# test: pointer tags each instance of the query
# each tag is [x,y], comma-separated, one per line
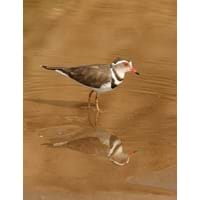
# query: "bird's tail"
[50,67]
[60,70]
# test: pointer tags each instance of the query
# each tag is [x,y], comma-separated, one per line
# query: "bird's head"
[124,66]
[122,158]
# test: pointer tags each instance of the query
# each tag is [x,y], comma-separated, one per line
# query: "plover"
[99,77]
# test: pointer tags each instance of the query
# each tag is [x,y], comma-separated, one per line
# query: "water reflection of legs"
[93,119]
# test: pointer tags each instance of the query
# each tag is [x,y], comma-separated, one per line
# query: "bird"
[98,77]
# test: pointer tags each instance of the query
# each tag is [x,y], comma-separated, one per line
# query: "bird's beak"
[134,71]
[133,152]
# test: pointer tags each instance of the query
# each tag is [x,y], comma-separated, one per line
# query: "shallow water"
[141,112]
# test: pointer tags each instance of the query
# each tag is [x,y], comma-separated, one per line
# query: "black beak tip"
[137,73]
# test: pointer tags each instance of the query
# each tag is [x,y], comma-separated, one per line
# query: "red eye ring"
[125,63]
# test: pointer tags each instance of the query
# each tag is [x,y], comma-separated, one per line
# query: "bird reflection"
[98,143]
[95,141]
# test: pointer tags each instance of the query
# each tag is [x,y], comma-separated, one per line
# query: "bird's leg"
[96,118]
[97,102]
[89,97]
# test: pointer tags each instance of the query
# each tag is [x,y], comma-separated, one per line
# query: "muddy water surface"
[141,112]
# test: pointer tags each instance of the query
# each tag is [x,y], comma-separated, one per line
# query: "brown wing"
[91,75]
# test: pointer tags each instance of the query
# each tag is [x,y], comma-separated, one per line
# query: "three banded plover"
[99,77]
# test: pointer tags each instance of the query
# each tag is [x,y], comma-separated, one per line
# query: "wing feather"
[91,75]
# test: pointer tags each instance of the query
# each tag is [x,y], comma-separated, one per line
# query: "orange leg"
[89,98]
[97,102]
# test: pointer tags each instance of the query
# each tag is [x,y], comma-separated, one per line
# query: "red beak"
[134,71]
[133,152]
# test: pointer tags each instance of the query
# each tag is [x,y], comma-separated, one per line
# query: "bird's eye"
[125,63]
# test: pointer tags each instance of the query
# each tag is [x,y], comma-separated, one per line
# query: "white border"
[188,99]
[11,100]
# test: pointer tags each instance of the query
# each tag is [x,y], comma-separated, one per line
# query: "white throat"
[117,76]
[120,72]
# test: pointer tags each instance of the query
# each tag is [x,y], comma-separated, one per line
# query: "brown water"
[141,112]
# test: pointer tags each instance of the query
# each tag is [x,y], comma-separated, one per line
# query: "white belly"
[104,88]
